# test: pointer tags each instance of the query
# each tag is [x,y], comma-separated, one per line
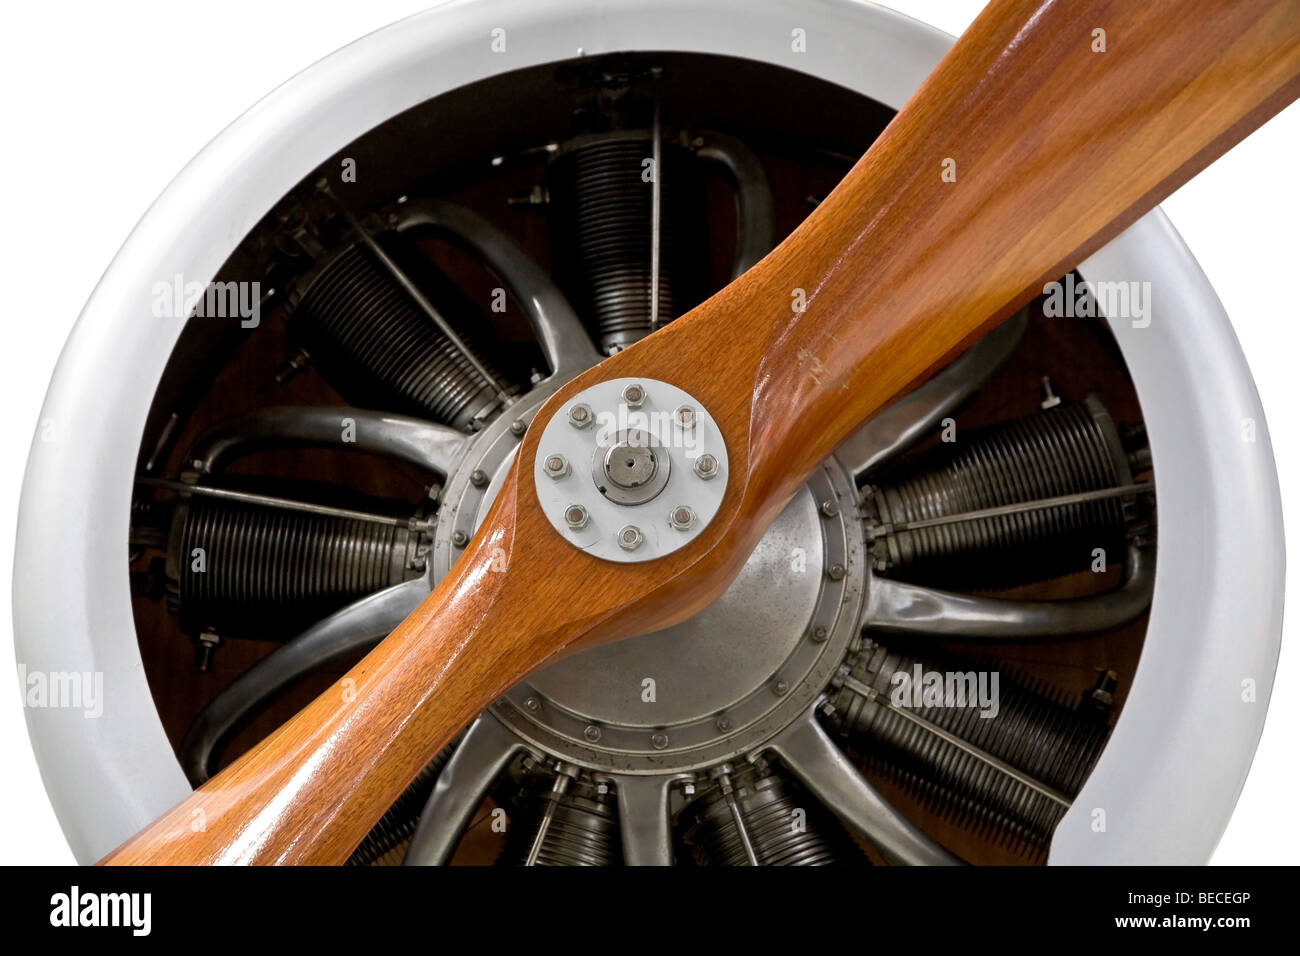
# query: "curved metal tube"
[483,753]
[423,443]
[755,211]
[643,819]
[899,608]
[821,766]
[912,417]
[564,341]
[356,627]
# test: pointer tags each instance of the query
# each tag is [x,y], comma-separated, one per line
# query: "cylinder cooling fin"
[754,733]
[971,738]
[1068,450]
[627,269]
[372,340]
[759,818]
[250,570]
[562,819]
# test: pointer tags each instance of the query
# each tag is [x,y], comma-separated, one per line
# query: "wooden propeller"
[1031,144]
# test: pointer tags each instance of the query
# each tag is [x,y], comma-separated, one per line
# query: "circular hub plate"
[614,467]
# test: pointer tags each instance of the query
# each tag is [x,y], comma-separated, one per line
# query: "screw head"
[533,704]
[659,741]
[723,723]
[706,466]
[820,634]
[830,509]
[780,687]
[634,395]
[592,733]
[581,415]
[459,539]
[576,517]
[478,478]
[630,537]
[682,518]
[836,572]
[518,427]
[684,417]
[555,466]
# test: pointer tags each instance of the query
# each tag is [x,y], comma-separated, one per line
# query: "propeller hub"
[656,454]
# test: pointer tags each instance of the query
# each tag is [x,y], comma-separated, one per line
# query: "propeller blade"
[1023,152]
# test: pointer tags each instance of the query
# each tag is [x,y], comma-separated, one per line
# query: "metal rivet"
[836,571]
[634,395]
[555,466]
[659,741]
[684,416]
[830,509]
[478,478]
[682,518]
[780,687]
[724,723]
[592,733]
[706,466]
[533,704]
[581,415]
[460,539]
[518,427]
[630,537]
[820,634]
[576,517]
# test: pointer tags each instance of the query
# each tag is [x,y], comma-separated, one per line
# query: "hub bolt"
[684,416]
[682,518]
[555,466]
[581,415]
[659,741]
[592,733]
[518,427]
[634,395]
[630,537]
[706,466]
[478,478]
[576,517]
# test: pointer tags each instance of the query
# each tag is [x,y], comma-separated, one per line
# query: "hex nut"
[630,537]
[581,415]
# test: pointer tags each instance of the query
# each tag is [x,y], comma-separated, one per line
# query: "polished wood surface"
[1023,152]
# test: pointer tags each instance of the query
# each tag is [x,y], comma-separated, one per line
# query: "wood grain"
[1056,148]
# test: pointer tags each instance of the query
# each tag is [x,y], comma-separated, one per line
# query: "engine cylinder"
[573,824]
[782,823]
[1034,731]
[601,208]
[1062,451]
[247,570]
[377,347]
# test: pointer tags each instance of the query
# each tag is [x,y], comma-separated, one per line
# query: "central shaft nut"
[632,469]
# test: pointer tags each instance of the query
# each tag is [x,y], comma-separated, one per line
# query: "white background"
[104,103]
